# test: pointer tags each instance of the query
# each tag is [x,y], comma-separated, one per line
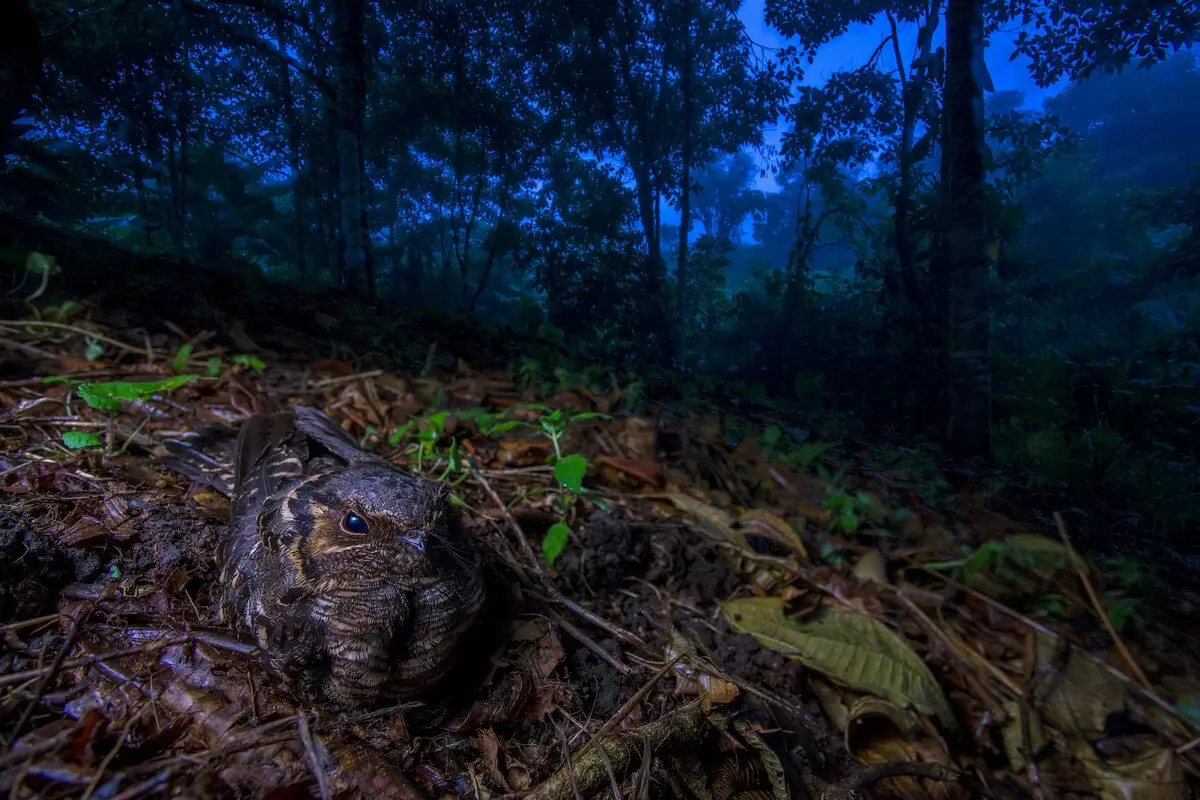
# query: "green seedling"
[79,440]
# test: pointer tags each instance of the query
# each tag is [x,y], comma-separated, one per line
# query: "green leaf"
[108,396]
[555,542]
[212,368]
[77,440]
[852,648]
[590,415]
[180,360]
[569,471]
[397,435]
[94,350]
[250,362]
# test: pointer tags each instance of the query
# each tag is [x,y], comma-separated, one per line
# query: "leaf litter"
[670,616]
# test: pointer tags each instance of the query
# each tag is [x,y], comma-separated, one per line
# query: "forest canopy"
[934,258]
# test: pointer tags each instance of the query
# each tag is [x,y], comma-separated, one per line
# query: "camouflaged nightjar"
[352,576]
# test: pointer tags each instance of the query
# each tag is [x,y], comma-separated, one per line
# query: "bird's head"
[366,526]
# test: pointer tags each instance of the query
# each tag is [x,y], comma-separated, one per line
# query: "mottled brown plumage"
[352,576]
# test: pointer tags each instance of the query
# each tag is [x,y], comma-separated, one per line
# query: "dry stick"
[587,642]
[1081,568]
[589,773]
[327,382]
[512,523]
[28,623]
[87,661]
[599,621]
[29,349]
[52,671]
[626,709]
[964,653]
[75,329]
[1153,697]
[116,748]
[566,749]
[867,777]
[314,758]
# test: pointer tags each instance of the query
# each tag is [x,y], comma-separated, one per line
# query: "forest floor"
[716,624]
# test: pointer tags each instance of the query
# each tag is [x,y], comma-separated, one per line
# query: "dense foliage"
[513,160]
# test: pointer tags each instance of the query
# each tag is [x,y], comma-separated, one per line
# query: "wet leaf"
[711,520]
[1079,698]
[78,440]
[768,526]
[871,568]
[1154,775]
[555,542]
[851,648]
[569,471]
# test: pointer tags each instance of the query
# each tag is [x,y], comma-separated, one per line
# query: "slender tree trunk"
[291,120]
[685,189]
[966,246]
[348,22]
[909,95]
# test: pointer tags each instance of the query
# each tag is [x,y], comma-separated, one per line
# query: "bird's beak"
[416,539]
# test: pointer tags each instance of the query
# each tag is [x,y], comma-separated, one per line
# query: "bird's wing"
[270,450]
[194,463]
[321,428]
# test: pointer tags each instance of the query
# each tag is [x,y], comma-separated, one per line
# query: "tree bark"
[348,22]
[965,243]
[291,120]
[685,189]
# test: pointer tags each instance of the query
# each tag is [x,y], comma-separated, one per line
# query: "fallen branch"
[589,773]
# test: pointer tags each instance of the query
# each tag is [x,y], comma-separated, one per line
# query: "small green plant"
[79,440]
[108,396]
[180,362]
[555,542]
[250,362]
[427,433]
[849,512]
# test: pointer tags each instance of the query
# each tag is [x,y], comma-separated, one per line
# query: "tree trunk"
[966,252]
[299,249]
[685,189]
[349,18]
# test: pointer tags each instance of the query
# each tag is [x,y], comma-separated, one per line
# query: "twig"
[867,777]
[627,708]
[327,382]
[74,329]
[116,748]
[1180,720]
[28,623]
[51,672]
[1192,745]
[314,758]
[589,774]
[566,750]
[29,349]
[87,661]
[522,540]
[587,642]
[1081,568]
[594,618]
[156,781]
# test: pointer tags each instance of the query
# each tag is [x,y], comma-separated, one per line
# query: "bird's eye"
[353,523]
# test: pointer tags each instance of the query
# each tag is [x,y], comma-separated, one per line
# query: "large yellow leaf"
[850,648]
